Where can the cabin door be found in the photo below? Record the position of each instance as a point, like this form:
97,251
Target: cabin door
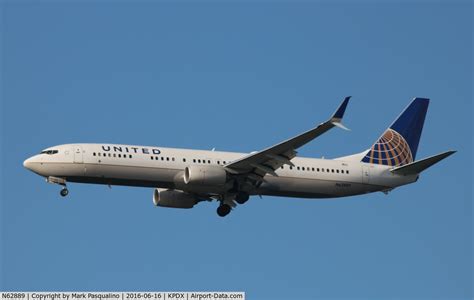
78,155
365,174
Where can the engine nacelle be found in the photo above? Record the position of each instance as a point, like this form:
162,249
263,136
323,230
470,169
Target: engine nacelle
173,198
205,175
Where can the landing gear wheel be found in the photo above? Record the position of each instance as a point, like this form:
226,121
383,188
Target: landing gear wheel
223,210
241,198
64,192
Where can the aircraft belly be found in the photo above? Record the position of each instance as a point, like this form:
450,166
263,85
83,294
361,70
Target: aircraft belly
136,174
303,187
312,187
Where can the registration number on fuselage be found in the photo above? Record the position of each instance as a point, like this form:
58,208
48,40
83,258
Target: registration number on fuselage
343,185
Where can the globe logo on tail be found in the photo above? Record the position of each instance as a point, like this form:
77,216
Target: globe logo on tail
390,150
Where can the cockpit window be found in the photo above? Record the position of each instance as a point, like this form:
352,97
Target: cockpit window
49,152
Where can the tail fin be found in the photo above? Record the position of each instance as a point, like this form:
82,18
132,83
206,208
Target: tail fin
399,143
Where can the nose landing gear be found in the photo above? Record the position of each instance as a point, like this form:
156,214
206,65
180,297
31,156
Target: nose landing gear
61,181
64,192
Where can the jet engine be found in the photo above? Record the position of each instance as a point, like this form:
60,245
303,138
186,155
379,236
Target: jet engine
205,175
173,198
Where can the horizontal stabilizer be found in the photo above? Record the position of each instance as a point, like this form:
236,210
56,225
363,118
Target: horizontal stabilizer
421,165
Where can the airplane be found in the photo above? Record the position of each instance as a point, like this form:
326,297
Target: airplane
182,178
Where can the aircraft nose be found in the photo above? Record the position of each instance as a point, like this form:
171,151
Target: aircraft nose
27,163
34,164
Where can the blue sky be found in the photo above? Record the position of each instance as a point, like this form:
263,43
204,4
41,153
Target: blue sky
237,76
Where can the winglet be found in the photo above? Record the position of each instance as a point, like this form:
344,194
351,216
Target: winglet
337,117
341,109
340,125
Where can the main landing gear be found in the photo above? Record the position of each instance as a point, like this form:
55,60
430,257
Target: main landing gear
223,210
241,198
227,202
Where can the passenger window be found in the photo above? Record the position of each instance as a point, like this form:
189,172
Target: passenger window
162,158
194,160
224,162
168,159
218,162
317,169
184,159
172,158
130,156
327,170
302,168
94,153
151,157
115,155
312,169
110,155
208,161
291,168
120,155
332,170
347,172
199,161
322,170
297,168
337,171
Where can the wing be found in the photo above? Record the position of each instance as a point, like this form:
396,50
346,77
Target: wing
256,165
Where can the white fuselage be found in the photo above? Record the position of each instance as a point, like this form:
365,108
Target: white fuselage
160,167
